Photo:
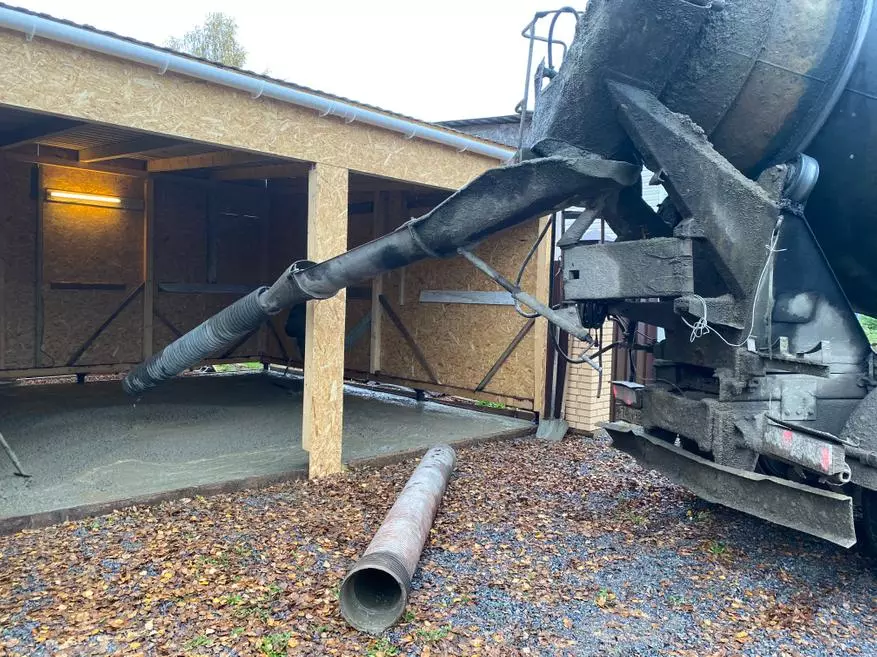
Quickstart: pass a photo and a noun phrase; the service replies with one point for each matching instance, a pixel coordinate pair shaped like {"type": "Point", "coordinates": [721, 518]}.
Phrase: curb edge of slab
{"type": "Point", "coordinates": [42, 519]}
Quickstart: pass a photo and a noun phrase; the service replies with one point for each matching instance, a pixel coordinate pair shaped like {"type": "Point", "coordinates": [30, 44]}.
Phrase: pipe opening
{"type": "Point", "coordinates": [372, 599]}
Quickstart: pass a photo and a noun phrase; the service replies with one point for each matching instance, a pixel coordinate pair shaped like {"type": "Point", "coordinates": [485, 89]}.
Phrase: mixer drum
{"type": "Point", "coordinates": [765, 79]}
{"type": "Point", "coordinates": [809, 73]}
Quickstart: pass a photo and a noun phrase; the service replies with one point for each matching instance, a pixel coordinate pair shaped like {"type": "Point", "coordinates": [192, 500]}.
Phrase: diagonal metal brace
{"type": "Point", "coordinates": [556, 318]}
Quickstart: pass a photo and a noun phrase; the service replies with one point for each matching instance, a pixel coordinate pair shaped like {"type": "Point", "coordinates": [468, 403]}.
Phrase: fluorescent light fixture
{"type": "Point", "coordinates": [99, 200]}
{"type": "Point", "coordinates": [55, 195]}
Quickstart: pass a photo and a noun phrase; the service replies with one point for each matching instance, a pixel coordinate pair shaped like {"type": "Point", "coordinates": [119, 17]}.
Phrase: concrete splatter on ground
{"type": "Point", "coordinates": [539, 549]}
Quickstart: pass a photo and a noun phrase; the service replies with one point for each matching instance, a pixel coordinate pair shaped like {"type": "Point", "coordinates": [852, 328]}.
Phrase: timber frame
{"type": "Point", "coordinates": [315, 184]}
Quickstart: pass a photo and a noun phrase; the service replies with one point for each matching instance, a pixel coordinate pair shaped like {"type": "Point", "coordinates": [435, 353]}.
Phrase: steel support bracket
{"type": "Point", "coordinates": [804, 508]}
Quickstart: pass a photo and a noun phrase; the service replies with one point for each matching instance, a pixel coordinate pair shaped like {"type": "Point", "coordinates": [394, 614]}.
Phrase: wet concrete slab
{"type": "Point", "coordinates": [91, 444]}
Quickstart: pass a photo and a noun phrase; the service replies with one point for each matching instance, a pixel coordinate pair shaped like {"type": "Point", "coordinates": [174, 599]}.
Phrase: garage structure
{"type": "Point", "coordinates": [137, 201]}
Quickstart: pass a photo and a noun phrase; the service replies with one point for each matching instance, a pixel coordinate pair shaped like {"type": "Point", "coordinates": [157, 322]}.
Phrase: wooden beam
{"type": "Point", "coordinates": [148, 267]}
{"type": "Point", "coordinates": [474, 297]}
{"type": "Point", "coordinates": [2, 313]}
{"type": "Point", "coordinates": [380, 227]}
{"type": "Point", "coordinates": [135, 146]}
{"type": "Point", "coordinates": [283, 170]}
{"type": "Point", "coordinates": [211, 236]}
{"type": "Point", "coordinates": [86, 285]}
{"type": "Point", "coordinates": [323, 399]}
{"type": "Point", "coordinates": [108, 368]}
{"type": "Point", "coordinates": [466, 393]}
{"type": "Point", "coordinates": [406, 334]}
{"type": "Point", "coordinates": [206, 288]}
{"type": "Point", "coordinates": [264, 261]}
{"type": "Point", "coordinates": [39, 310]}
{"type": "Point", "coordinates": [174, 105]}
{"type": "Point", "coordinates": [168, 324]}
{"type": "Point", "coordinates": [379, 185]}
{"type": "Point", "coordinates": [273, 330]}
{"type": "Point", "coordinates": [358, 332]}
{"type": "Point", "coordinates": [28, 372]}
{"type": "Point", "coordinates": [540, 346]}
{"type": "Point", "coordinates": [203, 161]}
{"type": "Point", "coordinates": [44, 129]}
{"type": "Point", "coordinates": [55, 161]}
{"type": "Point", "coordinates": [397, 214]}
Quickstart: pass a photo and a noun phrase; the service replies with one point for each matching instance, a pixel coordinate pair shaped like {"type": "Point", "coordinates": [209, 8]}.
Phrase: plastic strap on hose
{"type": "Point", "coordinates": [299, 267]}
{"type": "Point", "coordinates": [418, 241]}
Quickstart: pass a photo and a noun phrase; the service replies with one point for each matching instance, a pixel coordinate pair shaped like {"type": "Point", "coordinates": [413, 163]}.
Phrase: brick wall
{"type": "Point", "coordinates": [583, 409]}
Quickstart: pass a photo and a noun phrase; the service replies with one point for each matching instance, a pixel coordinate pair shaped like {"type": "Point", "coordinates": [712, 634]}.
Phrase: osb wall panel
{"type": "Point", "coordinates": [17, 247]}
{"type": "Point", "coordinates": [86, 244]}
{"type": "Point", "coordinates": [241, 217]}
{"type": "Point", "coordinates": [288, 243]}
{"type": "Point", "coordinates": [356, 357]}
{"type": "Point", "coordinates": [181, 210]}
{"type": "Point", "coordinates": [71, 316]}
{"type": "Point", "coordinates": [180, 232]}
{"type": "Point", "coordinates": [360, 224]}
{"type": "Point", "coordinates": [288, 232]}
{"type": "Point", "coordinates": [360, 229]}
{"type": "Point", "coordinates": [89, 244]}
{"type": "Point", "coordinates": [51, 77]}
{"type": "Point", "coordinates": [461, 342]}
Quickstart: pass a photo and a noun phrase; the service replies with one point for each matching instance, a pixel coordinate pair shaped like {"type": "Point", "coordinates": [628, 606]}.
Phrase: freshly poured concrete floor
{"type": "Point", "coordinates": [90, 444]}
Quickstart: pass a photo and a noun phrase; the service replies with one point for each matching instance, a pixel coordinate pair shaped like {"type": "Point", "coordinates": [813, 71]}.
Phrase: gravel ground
{"type": "Point", "coordinates": [540, 549]}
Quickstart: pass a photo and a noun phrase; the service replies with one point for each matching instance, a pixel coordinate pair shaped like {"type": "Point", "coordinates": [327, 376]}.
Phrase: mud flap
{"type": "Point", "coordinates": [804, 508]}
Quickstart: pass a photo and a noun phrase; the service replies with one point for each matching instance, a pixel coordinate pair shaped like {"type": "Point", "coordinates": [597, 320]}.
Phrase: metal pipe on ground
{"type": "Point", "coordinates": [375, 592]}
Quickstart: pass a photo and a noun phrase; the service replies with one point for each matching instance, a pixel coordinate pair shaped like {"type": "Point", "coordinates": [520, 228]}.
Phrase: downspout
{"type": "Point", "coordinates": [36, 26]}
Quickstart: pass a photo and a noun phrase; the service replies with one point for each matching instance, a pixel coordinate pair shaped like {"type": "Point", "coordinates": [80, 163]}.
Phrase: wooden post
{"type": "Point", "coordinates": [264, 264]}
{"type": "Point", "coordinates": [324, 326]}
{"type": "Point", "coordinates": [39, 311]}
{"type": "Point", "coordinates": [380, 227]}
{"type": "Point", "coordinates": [2, 313]}
{"type": "Point", "coordinates": [148, 265]}
{"type": "Point", "coordinates": [212, 235]}
{"type": "Point", "coordinates": [397, 213]}
{"type": "Point", "coordinates": [544, 263]}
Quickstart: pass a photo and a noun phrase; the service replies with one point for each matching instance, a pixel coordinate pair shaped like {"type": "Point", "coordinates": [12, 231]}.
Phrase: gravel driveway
{"type": "Point", "coordinates": [539, 549]}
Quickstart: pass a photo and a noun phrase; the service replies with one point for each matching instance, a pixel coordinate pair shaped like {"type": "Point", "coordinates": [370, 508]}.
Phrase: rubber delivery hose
{"type": "Point", "coordinates": [226, 327]}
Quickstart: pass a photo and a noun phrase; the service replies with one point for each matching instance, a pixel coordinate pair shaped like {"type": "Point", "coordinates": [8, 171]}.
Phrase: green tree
{"type": "Point", "coordinates": [215, 40]}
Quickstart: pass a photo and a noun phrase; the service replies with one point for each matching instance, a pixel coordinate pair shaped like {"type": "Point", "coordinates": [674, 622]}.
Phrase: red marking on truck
{"type": "Point", "coordinates": [788, 437]}
{"type": "Point", "coordinates": [826, 459]}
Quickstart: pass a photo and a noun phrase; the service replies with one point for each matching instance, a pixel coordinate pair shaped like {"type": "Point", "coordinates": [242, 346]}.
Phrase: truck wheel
{"type": "Point", "coordinates": [869, 520]}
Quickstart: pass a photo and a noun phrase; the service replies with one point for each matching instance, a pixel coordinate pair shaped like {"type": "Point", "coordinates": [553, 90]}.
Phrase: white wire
{"type": "Point", "coordinates": [701, 327]}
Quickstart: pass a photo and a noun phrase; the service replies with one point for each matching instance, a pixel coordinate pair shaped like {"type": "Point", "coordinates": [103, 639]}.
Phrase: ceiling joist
{"type": "Point", "coordinates": [56, 161]}
{"type": "Point", "coordinates": [203, 161]}
{"type": "Point", "coordinates": [285, 170]}
{"type": "Point", "coordinates": [135, 146]}
{"type": "Point", "coordinates": [43, 129]}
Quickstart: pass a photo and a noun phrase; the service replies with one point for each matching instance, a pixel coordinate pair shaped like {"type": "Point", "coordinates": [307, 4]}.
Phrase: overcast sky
{"type": "Point", "coordinates": [440, 60]}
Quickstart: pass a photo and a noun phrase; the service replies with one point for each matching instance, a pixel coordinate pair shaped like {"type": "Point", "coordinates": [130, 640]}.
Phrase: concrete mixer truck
{"type": "Point", "coordinates": [759, 118]}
